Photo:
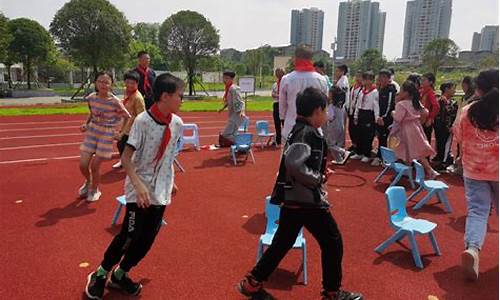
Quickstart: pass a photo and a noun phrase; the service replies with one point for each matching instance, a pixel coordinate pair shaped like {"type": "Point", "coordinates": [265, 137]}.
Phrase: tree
{"type": "Point", "coordinates": [5, 37]}
{"type": "Point", "coordinates": [55, 67]}
{"type": "Point", "coordinates": [93, 33]}
{"type": "Point", "coordinates": [491, 61]}
{"type": "Point", "coordinates": [30, 44]}
{"type": "Point", "coordinates": [146, 33]}
{"type": "Point", "coordinates": [370, 60]}
{"type": "Point", "coordinates": [439, 52]}
{"type": "Point", "coordinates": [157, 60]}
{"type": "Point", "coordinates": [188, 36]}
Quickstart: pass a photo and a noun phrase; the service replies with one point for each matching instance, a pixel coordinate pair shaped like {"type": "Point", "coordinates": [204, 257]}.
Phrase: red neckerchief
{"type": "Point", "coordinates": [366, 92]}
{"type": "Point", "coordinates": [226, 90]}
{"type": "Point", "coordinates": [165, 119]}
{"type": "Point", "coordinates": [128, 96]}
{"type": "Point", "coordinates": [304, 65]}
{"type": "Point", "coordinates": [146, 86]}
{"type": "Point", "coordinates": [424, 91]}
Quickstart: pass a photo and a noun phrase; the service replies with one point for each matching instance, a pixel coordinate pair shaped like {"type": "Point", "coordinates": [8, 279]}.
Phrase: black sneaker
{"type": "Point", "coordinates": [95, 286]}
{"type": "Point", "coordinates": [341, 295]}
{"type": "Point", "coordinates": [125, 284]}
{"type": "Point", "coordinates": [253, 289]}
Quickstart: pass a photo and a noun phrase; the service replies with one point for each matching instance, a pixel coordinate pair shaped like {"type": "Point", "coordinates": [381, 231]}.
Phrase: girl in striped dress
{"type": "Point", "coordinates": [106, 112]}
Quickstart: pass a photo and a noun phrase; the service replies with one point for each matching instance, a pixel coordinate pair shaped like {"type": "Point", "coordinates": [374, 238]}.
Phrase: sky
{"type": "Point", "coordinates": [247, 24]}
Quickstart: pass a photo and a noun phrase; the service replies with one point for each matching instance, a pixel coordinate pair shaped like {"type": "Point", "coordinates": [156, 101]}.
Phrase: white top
{"type": "Point", "coordinates": [396, 85]}
{"type": "Point", "coordinates": [146, 136]}
{"type": "Point", "coordinates": [367, 102]}
{"type": "Point", "coordinates": [292, 84]}
{"type": "Point", "coordinates": [275, 92]}
{"type": "Point", "coordinates": [354, 96]}
{"type": "Point", "coordinates": [343, 84]}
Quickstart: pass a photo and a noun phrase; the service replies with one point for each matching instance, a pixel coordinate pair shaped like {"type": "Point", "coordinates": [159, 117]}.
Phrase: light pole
{"type": "Point", "coordinates": [333, 46]}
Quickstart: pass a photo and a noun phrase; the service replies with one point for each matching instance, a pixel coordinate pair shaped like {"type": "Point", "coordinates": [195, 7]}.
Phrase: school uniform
{"type": "Point", "coordinates": [146, 79]}
{"type": "Point", "coordinates": [134, 103]}
{"type": "Point", "coordinates": [235, 106]}
{"type": "Point", "coordinates": [354, 95]}
{"type": "Point", "coordinates": [387, 104]}
{"type": "Point", "coordinates": [366, 110]}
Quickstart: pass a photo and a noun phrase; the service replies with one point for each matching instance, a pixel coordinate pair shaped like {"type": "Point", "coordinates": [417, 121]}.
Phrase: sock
{"type": "Point", "coordinates": [119, 273]}
{"type": "Point", "coordinates": [101, 272]}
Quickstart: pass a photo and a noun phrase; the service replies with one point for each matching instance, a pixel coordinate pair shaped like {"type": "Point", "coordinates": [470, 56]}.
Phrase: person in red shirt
{"type": "Point", "coordinates": [429, 101]}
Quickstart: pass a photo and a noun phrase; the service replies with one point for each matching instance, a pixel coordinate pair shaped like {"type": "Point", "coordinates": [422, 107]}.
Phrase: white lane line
{"type": "Point", "coordinates": [38, 136]}
{"type": "Point", "coordinates": [39, 146]}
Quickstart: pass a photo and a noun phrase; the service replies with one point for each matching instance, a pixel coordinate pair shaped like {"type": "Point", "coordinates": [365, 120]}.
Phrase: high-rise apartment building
{"type": "Point", "coordinates": [307, 28]}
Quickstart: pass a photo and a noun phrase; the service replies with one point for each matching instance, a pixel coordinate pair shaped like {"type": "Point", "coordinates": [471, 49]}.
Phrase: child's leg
{"type": "Point", "coordinates": [290, 223]}
{"type": "Point", "coordinates": [324, 229]}
{"type": "Point", "coordinates": [140, 246]}
{"type": "Point", "coordinates": [96, 176]}
{"type": "Point", "coordinates": [85, 158]}
{"type": "Point", "coordinates": [427, 166]}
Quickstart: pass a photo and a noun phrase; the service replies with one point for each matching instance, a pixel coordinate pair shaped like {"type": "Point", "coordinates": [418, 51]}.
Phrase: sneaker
{"type": "Point", "coordinates": [470, 263]}
{"type": "Point", "coordinates": [93, 196]}
{"type": "Point", "coordinates": [341, 295]}
{"type": "Point", "coordinates": [118, 165]}
{"type": "Point", "coordinates": [356, 156]}
{"type": "Point", "coordinates": [249, 286]}
{"type": "Point", "coordinates": [365, 159]}
{"type": "Point", "coordinates": [125, 284]}
{"type": "Point", "coordinates": [342, 160]}
{"type": "Point", "coordinates": [376, 162]}
{"type": "Point", "coordinates": [95, 286]}
{"type": "Point", "coordinates": [434, 174]}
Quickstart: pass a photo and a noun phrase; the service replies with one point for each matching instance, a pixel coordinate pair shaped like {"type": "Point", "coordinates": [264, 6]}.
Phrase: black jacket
{"type": "Point", "coordinates": [387, 103]}
{"type": "Point", "coordinates": [147, 94]}
{"type": "Point", "coordinates": [300, 179]}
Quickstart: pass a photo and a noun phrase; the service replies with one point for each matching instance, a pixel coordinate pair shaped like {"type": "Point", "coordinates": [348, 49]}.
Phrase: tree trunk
{"type": "Point", "coordinates": [28, 71]}
{"type": "Point", "coordinates": [191, 81]}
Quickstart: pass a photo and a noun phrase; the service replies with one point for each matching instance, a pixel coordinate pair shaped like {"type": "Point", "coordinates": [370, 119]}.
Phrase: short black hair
{"type": "Point", "coordinates": [132, 75]}
{"type": "Point", "coordinates": [368, 75]}
{"type": "Point", "coordinates": [303, 51]}
{"type": "Point", "coordinates": [392, 71]}
{"type": "Point", "coordinates": [431, 77]}
{"type": "Point", "coordinates": [385, 72]}
{"type": "Point", "coordinates": [309, 100]}
{"type": "Point", "coordinates": [166, 83]}
{"type": "Point", "coordinates": [229, 73]}
{"type": "Point", "coordinates": [446, 85]}
{"type": "Point", "coordinates": [415, 78]}
{"type": "Point", "coordinates": [343, 68]}
{"type": "Point", "coordinates": [319, 64]}
{"type": "Point", "coordinates": [141, 53]}
{"type": "Point", "coordinates": [487, 80]}
{"type": "Point", "coordinates": [101, 73]}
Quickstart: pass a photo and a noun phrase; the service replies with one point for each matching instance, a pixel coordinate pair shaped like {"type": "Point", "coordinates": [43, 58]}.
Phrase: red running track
{"type": "Point", "coordinates": [213, 227]}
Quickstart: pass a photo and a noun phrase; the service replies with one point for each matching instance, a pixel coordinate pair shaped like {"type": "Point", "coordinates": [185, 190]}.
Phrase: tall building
{"type": "Point", "coordinates": [425, 21]}
{"type": "Point", "coordinates": [361, 26]}
{"type": "Point", "coordinates": [487, 40]}
{"type": "Point", "coordinates": [307, 28]}
{"type": "Point", "coordinates": [476, 41]}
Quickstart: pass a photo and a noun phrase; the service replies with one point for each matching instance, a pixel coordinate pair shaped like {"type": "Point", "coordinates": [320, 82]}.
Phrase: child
{"type": "Point", "coordinates": [106, 112]}
{"type": "Point", "coordinates": [428, 99]}
{"type": "Point", "coordinates": [148, 160]}
{"type": "Point", "coordinates": [364, 116]}
{"type": "Point", "coordinates": [235, 107]}
{"type": "Point", "coordinates": [353, 100]}
{"type": "Point", "coordinates": [443, 124]}
{"type": "Point", "coordinates": [301, 193]}
{"type": "Point", "coordinates": [279, 73]}
{"type": "Point", "coordinates": [134, 103]}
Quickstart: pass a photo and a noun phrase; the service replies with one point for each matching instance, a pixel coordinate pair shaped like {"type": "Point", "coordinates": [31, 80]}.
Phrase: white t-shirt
{"type": "Point", "coordinates": [343, 84]}
{"type": "Point", "coordinates": [145, 137]}
{"type": "Point", "coordinates": [367, 102]}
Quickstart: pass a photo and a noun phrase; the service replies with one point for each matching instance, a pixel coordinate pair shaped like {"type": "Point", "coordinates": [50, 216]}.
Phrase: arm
{"type": "Point", "coordinates": [399, 113]}
{"type": "Point", "coordinates": [283, 105]}
{"type": "Point", "coordinates": [275, 92]}
{"type": "Point", "coordinates": [138, 107]}
{"type": "Point", "coordinates": [143, 198]}
{"type": "Point", "coordinates": [237, 102]}
{"type": "Point", "coordinates": [376, 108]}
{"type": "Point", "coordinates": [295, 157]}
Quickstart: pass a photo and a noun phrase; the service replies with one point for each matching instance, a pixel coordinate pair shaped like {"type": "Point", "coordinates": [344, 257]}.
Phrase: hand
{"type": "Point", "coordinates": [143, 199]}
{"type": "Point", "coordinates": [428, 123]}
{"type": "Point", "coordinates": [380, 121]}
{"type": "Point", "coordinates": [355, 121]}
{"type": "Point", "coordinates": [282, 122]}
{"type": "Point", "coordinates": [117, 135]}
{"type": "Point", "coordinates": [242, 115]}
{"type": "Point", "coordinates": [83, 127]}
{"type": "Point", "coordinates": [328, 173]}
{"type": "Point", "coordinates": [175, 189]}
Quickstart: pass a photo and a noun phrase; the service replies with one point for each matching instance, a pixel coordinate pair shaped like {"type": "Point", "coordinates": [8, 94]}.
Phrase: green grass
{"type": "Point", "coordinates": [254, 104]}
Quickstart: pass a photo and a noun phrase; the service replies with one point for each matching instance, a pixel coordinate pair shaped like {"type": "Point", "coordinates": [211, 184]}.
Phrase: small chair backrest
{"type": "Point", "coordinates": [419, 172]}
{"type": "Point", "coordinates": [262, 127]}
{"type": "Point", "coordinates": [178, 146]}
{"type": "Point", "coordinates": [272, 215]}
{"type": "Point", "coordinates": [388, 156]}
{"type": "Point", "coordinates": [243, 139]}
{"type": "Point", "coordinates": [244, 124]}
{"type": "Point", "coordinates": [396, 204]}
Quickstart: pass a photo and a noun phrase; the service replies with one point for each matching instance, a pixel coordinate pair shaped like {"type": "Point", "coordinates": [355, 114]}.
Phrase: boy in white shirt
{"type": "Point", "coordinates": [364, 116]}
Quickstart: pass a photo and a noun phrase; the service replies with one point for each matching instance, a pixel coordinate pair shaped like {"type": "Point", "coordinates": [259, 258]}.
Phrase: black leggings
{"type": "Point", "coordinates": [139, 229]}
{"type": "Point", "coordinates": [353, 133]}
{"type": "Point", "coordinates": [366, 130]}
{"type": "Point", "coordinates": [442, 134]}
{"type": "Point", "coordinates": [320, 223]}
{"type": "Point", "coordinates": [121, 144]}
{"type": "Point", "coordinates": [277, 122]}
{"type": "Point", "coordinates": [382, 135]}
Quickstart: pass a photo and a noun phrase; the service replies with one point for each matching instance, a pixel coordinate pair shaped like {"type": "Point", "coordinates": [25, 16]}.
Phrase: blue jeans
{"type": "Point", "coordinates": [479, 195]}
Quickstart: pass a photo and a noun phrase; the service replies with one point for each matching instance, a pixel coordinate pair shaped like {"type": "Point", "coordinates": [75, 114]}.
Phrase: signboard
{"type": "Point", "coordinates": [247, 84]}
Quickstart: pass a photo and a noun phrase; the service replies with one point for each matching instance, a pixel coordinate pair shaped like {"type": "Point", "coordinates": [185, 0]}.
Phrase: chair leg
{"type": "Point", "coordinates": [424, 200]}
{"type": "Point", "coordinates": [414, 250]}
{"type": "Point", "coordinates": [233, 154]}
{"type": "Point", "coordinates": [410, 177]}
{"type": "Point", "coordinates": [435, 246]}
{"type": "Point", "coordinates": [163, 222]}
{"type": "Point", "coordinates": [444, 199]}
{"type": "Point", "coordinates": [420, 188]}
{"type": "Point", "coordinates": [395, 237]}
{"type": "Point", "coordinates": [179, 166]}
{"type": "Point", "coordinates": [396, 180]}
{"type": "Point", "coordinates": [117, 214]}
{"type": "Point", "coordinates": [251, 155]}
{"type": "Point", "coordinates": [380, 175]}
{"type": "Point", "coordinates": [304, 261]}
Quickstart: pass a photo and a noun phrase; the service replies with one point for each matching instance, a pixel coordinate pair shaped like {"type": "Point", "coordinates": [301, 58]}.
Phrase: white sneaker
{"type": "Point", "coordinates": [376, 162]}
{"type": "Point", "coordinates": [118, 165]}
{"type": "Point", "coordinates": [84, 190]}
{"type": "Point", "coordinates": [470, 263]}
{"type": "Point", "coordinates": [365, 159]}
{"type": "Point", "coordinates": [93, 195]}
{"type": "Point", "coordinates": [356, 156]}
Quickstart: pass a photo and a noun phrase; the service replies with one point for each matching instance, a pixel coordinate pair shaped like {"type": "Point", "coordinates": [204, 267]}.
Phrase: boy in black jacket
{"type": "Point", "coordinates": [300, 191]}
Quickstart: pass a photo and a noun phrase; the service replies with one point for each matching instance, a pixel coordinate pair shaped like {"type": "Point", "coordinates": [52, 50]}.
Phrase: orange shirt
{"type": "Point", "coordinates": [479, 149]}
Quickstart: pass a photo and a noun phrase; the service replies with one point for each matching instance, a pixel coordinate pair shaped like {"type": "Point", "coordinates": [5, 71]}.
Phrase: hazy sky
{"type": "Point", "coordinates": [245, 24]}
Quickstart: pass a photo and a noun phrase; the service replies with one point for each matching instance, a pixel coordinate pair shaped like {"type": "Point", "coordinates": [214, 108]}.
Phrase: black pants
{"type": "Point", "coordinates": [382, 135]}
{"type": "Point", "coordinates": [353, 133]}
{"type": "Point", "coordinates": [442, 134]}
{"type": "Point", "coordinates": [121, 144]}
{"type": "Point", "coordinates": [139, 229]}
{"type": "Point", "coordinates": [277, 122]}
{"type": "Point", "coordinates": [366, 127]}
{"type": "Point", "coordinates": [320, 223]}
{"type": "Point", "coordinates": [428, 133]}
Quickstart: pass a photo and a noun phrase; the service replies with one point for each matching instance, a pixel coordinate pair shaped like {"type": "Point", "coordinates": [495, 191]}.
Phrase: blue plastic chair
{"type": "Point", "coordinates": [244, 124]}
{"type": "Point", "coordinates": [121, 203]}
{"type": "Point", "coordinates": [262, 128]}
{"type": "Point", "coordinates": [242, 144]}
{"type": "Point", "coordinates": [178, 149]}
{"type": "Point", "coordinates": [433, 187]}
{"type": "Point", "coordinates": [272, 216]}
{"type": "Point", "coordinates": [389, 161]}
{"type": "Point", "coordinates": [193, 139]}
{"type": "Point", "coordinates": [405, 225]}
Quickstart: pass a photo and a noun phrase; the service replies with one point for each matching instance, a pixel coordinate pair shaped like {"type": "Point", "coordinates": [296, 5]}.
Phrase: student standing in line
{"type": "Point", "coordinates": [428, 98]}
{"type": "Point", "coordinates": [279, 73]}
{"type": "Point", "coordinates": [235, 108]}
{"type": "Point", "coordinates": [353, 101]}
{"type": "Point", "coordinates": [146, 77]}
